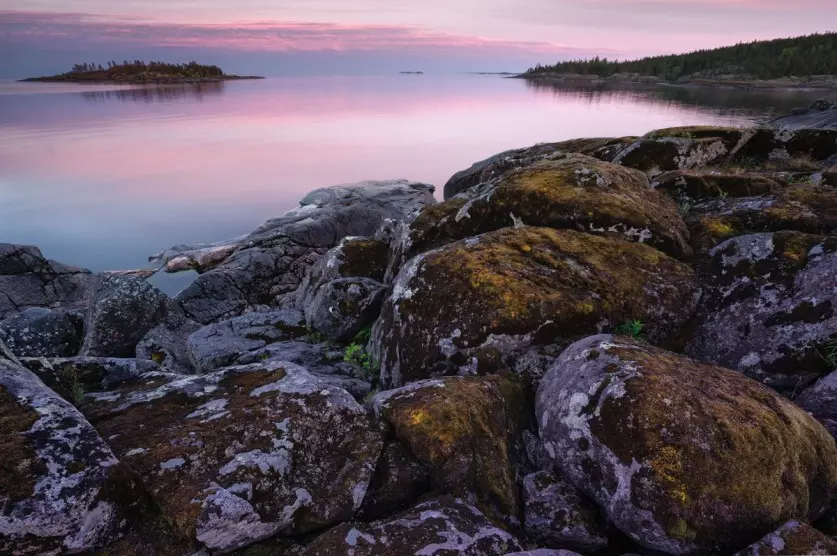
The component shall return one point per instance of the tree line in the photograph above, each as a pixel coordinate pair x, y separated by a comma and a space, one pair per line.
140, 67
800, 56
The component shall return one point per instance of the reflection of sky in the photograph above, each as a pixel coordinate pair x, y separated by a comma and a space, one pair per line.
105, 181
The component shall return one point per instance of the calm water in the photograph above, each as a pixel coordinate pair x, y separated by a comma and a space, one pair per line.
102, 176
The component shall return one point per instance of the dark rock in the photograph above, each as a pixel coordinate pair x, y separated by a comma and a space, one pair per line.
243, 454
121, 310
61, 488
39, 332
689, 186
567, 191
344, 306
789, 539
398, 481
769, 307
556, 515
683, 457
27, 280
166, 345
820, 400
440, 526
508, 288
544, 552
465, 430
785, 144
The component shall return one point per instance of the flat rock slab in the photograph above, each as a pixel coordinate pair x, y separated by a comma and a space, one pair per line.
243, 454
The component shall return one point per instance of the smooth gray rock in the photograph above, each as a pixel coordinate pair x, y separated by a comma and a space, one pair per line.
822, 114
557, 515
40, 332
166, 345
121, 310
440, 526
63, 491
769, 307
820, 400
27, 279
344, 306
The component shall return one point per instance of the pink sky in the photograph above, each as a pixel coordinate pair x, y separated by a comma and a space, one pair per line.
514, 31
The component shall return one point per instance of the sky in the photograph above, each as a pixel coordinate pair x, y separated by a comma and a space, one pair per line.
296, 37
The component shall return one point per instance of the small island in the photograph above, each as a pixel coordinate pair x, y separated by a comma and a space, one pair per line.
411, 72
140, 72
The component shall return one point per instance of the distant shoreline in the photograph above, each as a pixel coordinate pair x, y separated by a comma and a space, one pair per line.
770, 85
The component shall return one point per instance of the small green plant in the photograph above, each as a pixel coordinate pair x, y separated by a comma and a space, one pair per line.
632, 328
371, 394
74, 384
828, 353
685, 207
722, 194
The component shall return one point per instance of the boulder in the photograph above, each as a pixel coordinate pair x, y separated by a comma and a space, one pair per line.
465, 430
683, 457
398, 481
566, 191
822, 114
517, 285
245, 453
40, 332
253, 271
768, 307
121, 310
820, 400
343, 307
771, 145
61, 488
556, 515
690, 186
27, 279
792, 538
166, 345
801, 207
440, 526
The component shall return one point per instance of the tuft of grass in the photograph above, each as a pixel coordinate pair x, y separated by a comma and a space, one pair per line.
631, 328
828, 353
356, 354
685, 207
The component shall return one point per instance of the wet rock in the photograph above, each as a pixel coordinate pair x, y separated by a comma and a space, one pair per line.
121, 310
556, 515
683, 457
792, 538
222, 344
343, 307
398, 480
40, 332
566, 191
510, 287
802, 207
768, 307
166, 345
499, 164
251, 272
27, 279
465, 430
441, 526
243, 454
61, 488
820, 400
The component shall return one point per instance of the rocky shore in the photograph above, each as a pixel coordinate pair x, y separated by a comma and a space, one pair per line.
598, 346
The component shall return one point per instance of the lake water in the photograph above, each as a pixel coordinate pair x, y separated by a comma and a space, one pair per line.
103, 176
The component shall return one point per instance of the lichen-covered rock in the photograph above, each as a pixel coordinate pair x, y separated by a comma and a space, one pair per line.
683, 457
121, 310
680, 149
343, 307
441, 526
515, 285
243, 454
399, 479
27, 280
820, 400
465, 429
61, 488
801, 207
166, 345
688, 186
40, 332
789, 539
778, 145
497, 165
556, 515
768, 307
571, 191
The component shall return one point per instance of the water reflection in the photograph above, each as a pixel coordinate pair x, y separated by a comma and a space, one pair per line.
158, 93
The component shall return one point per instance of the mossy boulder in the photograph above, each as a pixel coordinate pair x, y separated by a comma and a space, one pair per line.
443, 525
789, 539
769, 307
61, 488
683, 457
801, 207
465, 430
245, 453
517, 285
696, 185
571, 191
